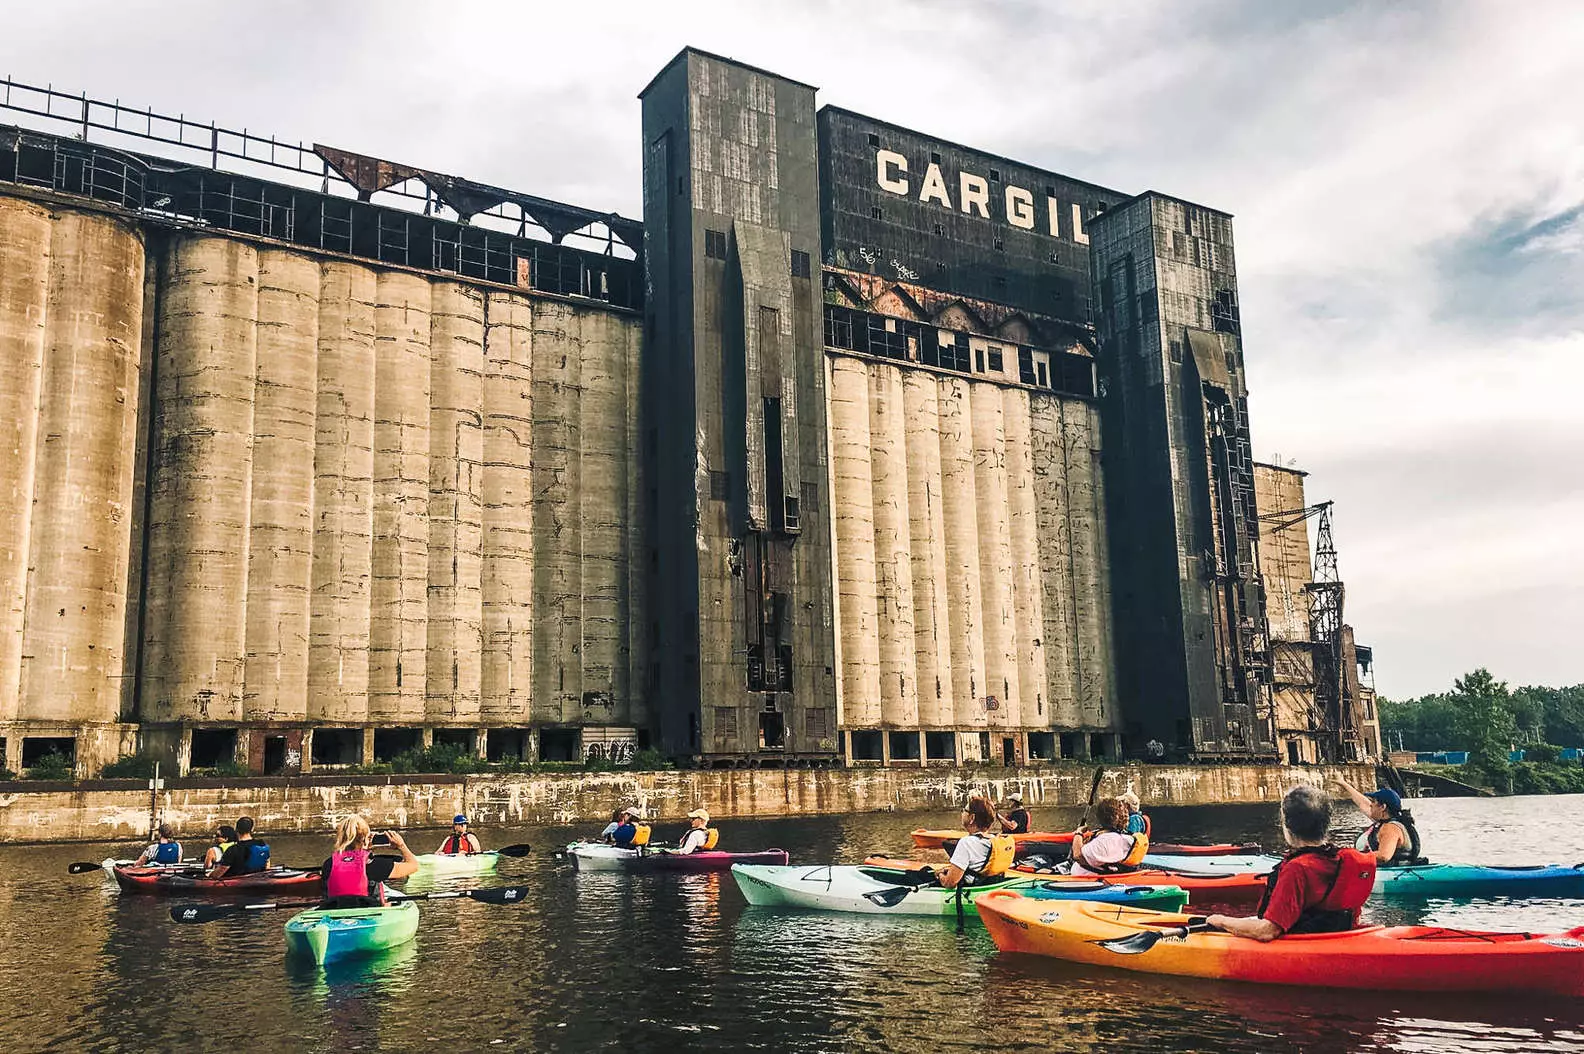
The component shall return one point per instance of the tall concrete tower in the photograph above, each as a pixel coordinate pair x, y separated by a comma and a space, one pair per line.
1192, 642
734, 433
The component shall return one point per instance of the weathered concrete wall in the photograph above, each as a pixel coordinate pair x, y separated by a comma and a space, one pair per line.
1284, 551
104, 811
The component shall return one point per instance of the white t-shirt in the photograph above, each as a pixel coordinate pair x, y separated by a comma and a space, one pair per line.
1108, 847
972, 853
693, 840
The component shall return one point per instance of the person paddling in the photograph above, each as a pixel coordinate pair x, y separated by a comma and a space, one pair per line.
1391, 835
973, 851
165, 851
225, 838
627, 828
1016, 820
247, 856
697, 834
355, 879
1317, 888
460, 842
1137, 823
1106, 847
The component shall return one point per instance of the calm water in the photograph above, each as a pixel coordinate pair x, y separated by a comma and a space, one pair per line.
681, 963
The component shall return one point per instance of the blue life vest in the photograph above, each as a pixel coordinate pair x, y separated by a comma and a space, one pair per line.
166, 853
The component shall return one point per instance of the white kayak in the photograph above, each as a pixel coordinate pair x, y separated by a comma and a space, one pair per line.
442, 864
1243, 863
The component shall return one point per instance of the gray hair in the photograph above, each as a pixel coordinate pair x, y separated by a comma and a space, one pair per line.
1306, 812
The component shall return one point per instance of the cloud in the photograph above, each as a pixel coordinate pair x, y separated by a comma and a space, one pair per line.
1405, 179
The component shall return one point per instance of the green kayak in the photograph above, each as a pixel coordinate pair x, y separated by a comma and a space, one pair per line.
326, 936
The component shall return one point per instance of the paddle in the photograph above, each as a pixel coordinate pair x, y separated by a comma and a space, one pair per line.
1094, 788
198, 913
1138, 943
521, 849
83, 867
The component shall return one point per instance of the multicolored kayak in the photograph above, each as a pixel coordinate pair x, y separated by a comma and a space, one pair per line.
1470, 880
1394, 958
596, 856
879, 891
1203, 886
340, 933
169, 882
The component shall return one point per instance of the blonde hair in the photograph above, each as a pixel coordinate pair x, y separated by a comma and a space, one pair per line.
351, 832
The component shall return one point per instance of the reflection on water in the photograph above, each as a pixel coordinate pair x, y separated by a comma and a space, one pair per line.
679, 962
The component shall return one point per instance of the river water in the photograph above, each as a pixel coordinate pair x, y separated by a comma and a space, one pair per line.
673, 963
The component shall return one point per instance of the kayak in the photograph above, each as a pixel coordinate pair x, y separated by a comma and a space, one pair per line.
109, 864
596, 856
326, 936
1263, 863
923, 839
880, 891
1396, 958
1032, 840
164, 881
1203, 886
444, 864
1469, 880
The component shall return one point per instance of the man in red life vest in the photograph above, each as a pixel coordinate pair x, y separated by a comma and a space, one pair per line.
460, 842
1317, 888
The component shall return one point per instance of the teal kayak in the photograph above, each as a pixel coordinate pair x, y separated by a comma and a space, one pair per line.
339, 933
1472, 880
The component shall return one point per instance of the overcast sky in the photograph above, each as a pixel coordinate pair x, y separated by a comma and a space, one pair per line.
1407, 182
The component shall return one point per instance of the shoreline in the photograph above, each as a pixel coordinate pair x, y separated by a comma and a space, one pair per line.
118, 810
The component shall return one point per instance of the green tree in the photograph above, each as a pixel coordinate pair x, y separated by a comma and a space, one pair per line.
1486, 722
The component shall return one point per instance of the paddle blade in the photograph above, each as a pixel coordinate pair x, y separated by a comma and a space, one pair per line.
499, 895
1138, 943
198, 913
521, 849
888, 898
81, 867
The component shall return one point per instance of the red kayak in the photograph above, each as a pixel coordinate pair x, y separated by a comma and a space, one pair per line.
162, 881
1036, 841
1208, 888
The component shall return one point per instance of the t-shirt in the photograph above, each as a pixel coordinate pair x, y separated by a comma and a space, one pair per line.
378, 870
624, 834
1019, 817
236, 859
972, 853
1107, 847
694, 839
1301, 884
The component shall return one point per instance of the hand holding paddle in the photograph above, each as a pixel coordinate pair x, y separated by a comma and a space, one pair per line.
199, 913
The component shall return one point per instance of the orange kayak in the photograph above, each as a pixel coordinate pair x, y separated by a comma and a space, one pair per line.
1221, 888
1386, 958
923, 839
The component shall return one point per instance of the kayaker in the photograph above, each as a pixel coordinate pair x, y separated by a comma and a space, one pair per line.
615, 822
355, 879
1105, 847
1016, 820
246, 856
973, 851
627, 827
1138, 823
1317, 888
694, 837
225, 838
1391, 835
460, 842
165, 851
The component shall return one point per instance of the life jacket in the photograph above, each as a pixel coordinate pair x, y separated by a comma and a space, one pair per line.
1407, 852
1350, 887
711, 838
1128, 863
166, 853
258, 856
349, 881
640, 835
1138, 823
1003, 850
455, 846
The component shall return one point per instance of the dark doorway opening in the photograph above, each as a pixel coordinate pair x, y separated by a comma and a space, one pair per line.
558, 744
274, 755
940, 746
337, 746
1008, 751
388, 742
1292, 752
36, 748
868, 745
1099, 745
1069, 744
772, 732
904, 746
506, 744
1042, 746
984, 747
462, 738
212, 747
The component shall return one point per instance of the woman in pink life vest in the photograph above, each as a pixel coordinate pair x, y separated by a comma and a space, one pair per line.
355, 879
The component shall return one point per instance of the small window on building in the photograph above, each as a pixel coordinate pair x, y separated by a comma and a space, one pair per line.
715, 244
904, 746
816, 724
867, 745
1000, 245
875, 212
940, 746
681, 184
935, 157
940, 229
772, 732
997, 362
212, 747
979, 363
995, 175
1177, 351
1042, 746
1044, 379
1069, 744
506, 744
874, 140
800, 264
1099, 745
337, 746
1050, 191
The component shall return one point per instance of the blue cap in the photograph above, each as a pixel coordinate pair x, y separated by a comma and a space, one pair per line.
1387, 797
459, 818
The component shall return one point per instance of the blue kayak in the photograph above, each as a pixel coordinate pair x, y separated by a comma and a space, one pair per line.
1473, 880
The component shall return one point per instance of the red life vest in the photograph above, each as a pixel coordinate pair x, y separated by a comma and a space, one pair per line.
1350, 888
455, 846
349, 876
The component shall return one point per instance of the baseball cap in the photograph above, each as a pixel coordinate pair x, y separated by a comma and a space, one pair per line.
632, 810
1387, 797
1015, 796
699, 814
459, 818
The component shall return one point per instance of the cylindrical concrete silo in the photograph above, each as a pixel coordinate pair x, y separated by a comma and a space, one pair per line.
79, 537
927, 544
853, 502
1085, 516
508, 510
899, 687
1028, 607
602, 420
961, 521
200, 494
25, 234
995, 554
635, 606
399, 597
456, 464
338, 652
558, 512
281, 528
1055, 563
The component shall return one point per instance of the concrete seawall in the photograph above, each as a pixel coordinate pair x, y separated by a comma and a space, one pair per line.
115, 810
